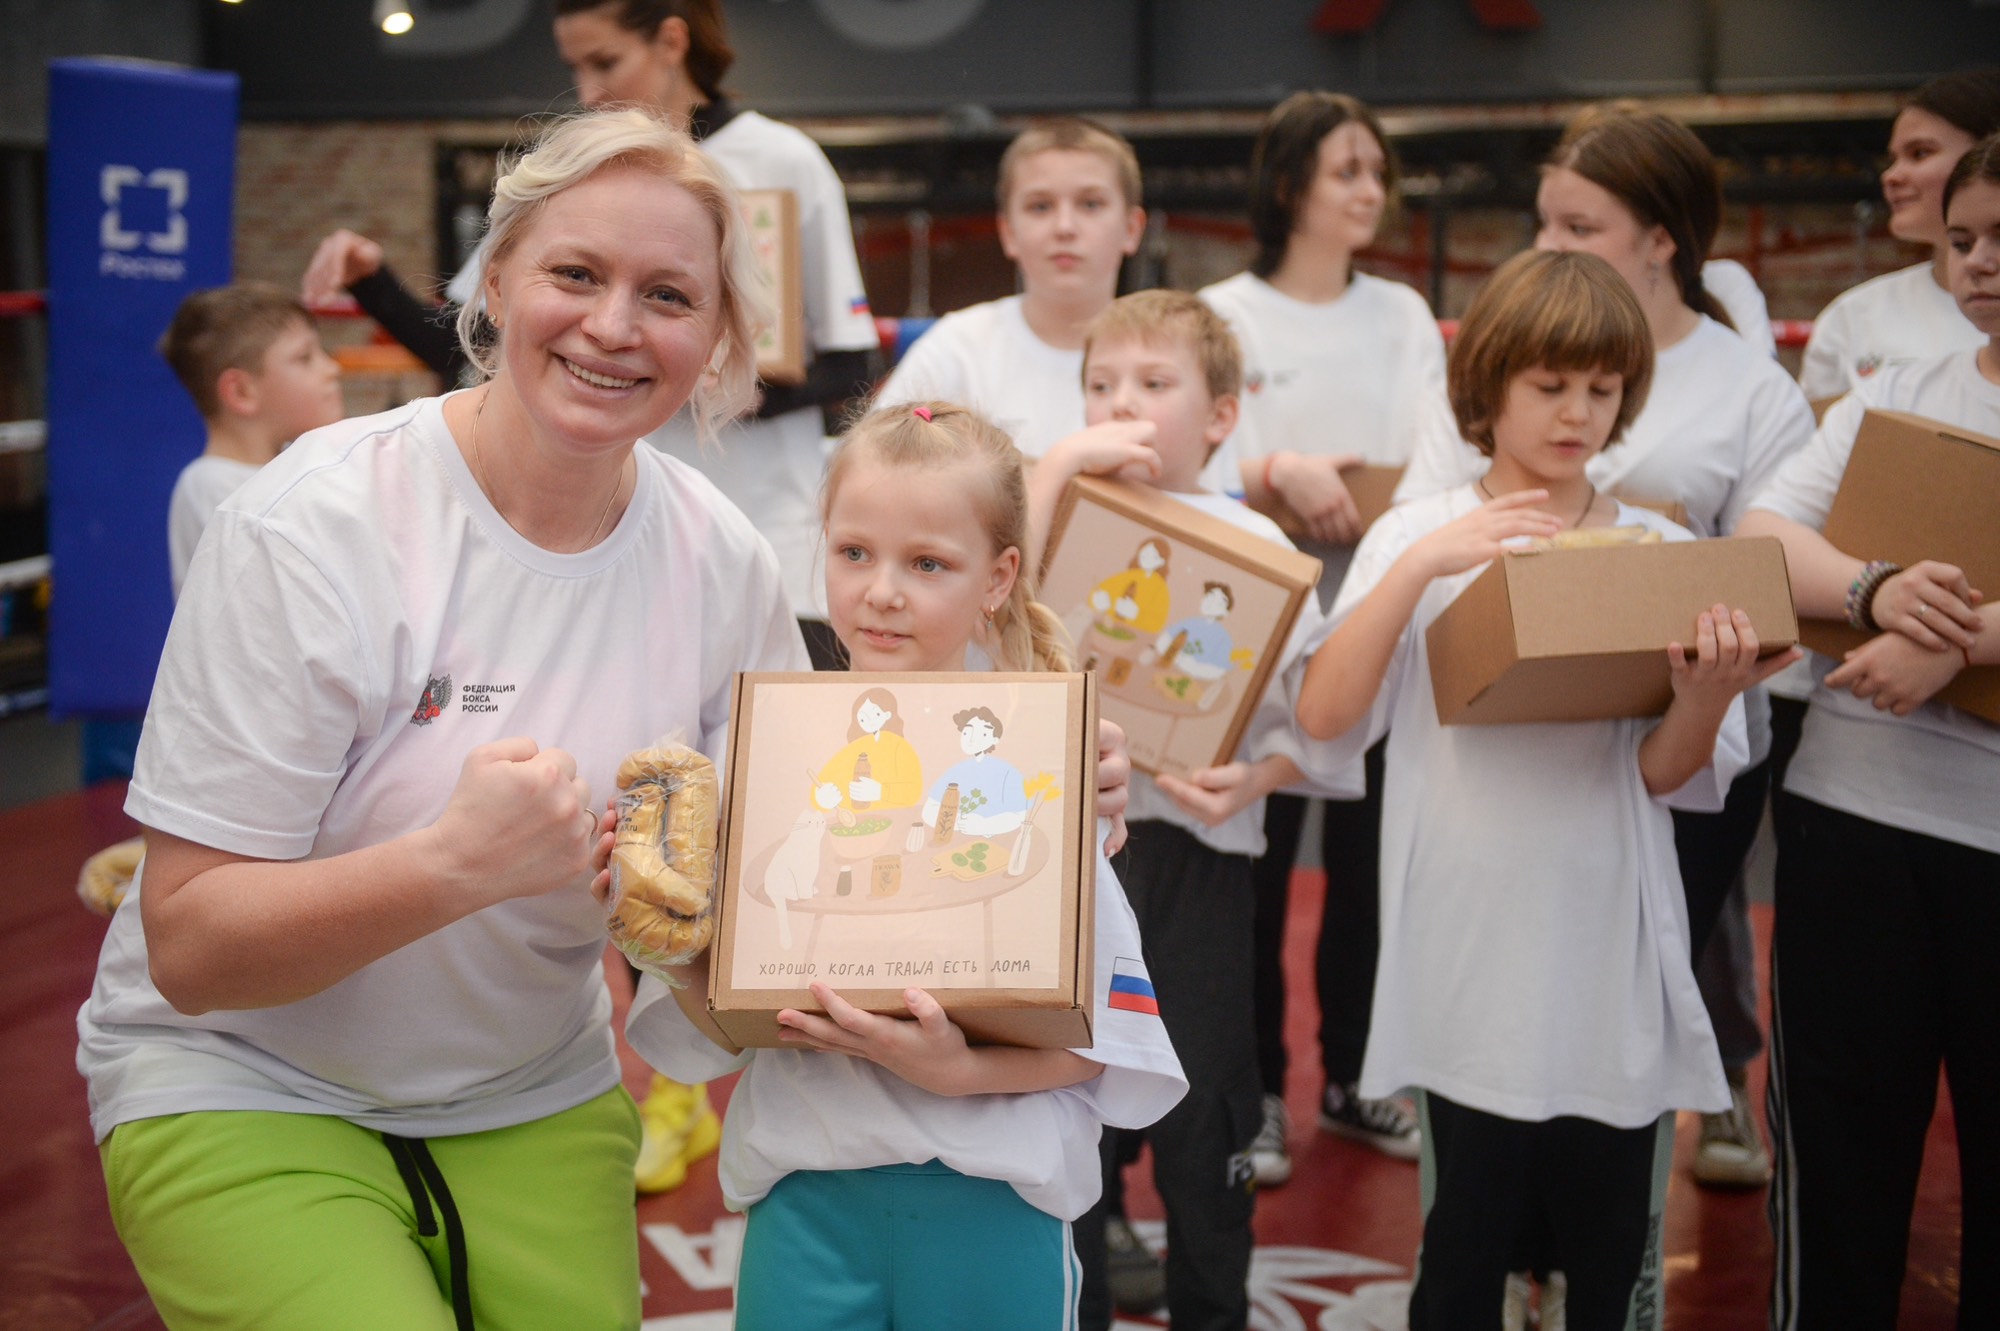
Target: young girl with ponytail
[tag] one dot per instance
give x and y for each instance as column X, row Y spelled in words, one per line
column 894, row 1175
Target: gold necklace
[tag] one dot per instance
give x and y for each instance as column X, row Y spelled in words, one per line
column 479, row 467
column 1588, row 504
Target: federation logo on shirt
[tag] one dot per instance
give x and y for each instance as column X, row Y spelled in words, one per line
column 437, row 697
column 1867, row 365
column 858, row 305
column 1131, row 991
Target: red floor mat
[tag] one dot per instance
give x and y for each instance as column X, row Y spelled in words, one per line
column 1335, row 1244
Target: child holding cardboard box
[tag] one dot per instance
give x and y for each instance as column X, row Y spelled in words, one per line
column 1642, row 192
column 1888, row 851
column 1534, row 981
column 1164, row 358
column 992, row 1149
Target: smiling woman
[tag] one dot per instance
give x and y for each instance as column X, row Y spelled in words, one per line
column 422, row 605
column 625, row 278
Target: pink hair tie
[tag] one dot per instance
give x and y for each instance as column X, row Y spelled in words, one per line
column 923, row 413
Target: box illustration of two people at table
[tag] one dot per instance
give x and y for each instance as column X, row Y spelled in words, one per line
column 887, row 831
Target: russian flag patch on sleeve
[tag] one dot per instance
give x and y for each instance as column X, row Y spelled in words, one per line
column 1131, row 991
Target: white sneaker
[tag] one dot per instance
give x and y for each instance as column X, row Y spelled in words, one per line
column 1514, row 1302
column 1732, row 1152
column 1270, row 1162
column 1555, row 1302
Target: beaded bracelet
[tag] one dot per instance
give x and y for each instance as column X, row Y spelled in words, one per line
column 1861, row 593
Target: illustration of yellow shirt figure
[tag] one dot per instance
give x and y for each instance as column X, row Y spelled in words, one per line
column 878, row 770
column 1136, row 600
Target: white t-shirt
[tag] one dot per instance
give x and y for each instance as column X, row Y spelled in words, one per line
column 1354, row 375
column 1889, row 320
column 1937, row 770
column 203, row 484
column 1719, row 421
column 1534, row 957
column 771, row 469
column 1731, row 284
column 800, row 1109
column 987, row 358
column 358, row 618
column 1272, row 728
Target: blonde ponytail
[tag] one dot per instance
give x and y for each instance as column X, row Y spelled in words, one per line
column 1026, row 634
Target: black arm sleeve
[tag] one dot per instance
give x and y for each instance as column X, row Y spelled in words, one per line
column 427, row 330
column 832, row 378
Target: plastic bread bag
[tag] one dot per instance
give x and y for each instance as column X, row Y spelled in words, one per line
column 661, row 907
column 107, row 875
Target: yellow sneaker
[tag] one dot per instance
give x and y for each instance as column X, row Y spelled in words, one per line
column 677, row 1128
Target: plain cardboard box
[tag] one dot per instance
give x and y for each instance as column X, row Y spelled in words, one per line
column 1916, row 489
column 869, row 952
column 773, row 219
column 1581, row 635
column 1372, row 487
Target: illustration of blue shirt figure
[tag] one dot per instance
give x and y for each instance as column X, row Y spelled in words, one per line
column 991, row 797
column 1205, row 648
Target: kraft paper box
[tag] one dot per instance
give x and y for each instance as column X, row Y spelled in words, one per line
column 1581, row 635
column 1372, row 487
column 884, row 831
column 773, row 219
column 1180, row 614
column 1916, row 489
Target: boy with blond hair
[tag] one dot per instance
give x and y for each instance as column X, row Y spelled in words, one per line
column 1165, row 360
column 250, row 357
column 1069, row 214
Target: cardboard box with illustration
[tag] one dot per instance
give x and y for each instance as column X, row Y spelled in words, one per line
column 884, row 831
column 1916, row 489
column 1581, row 634
column 1181, row 614
column 772, row 216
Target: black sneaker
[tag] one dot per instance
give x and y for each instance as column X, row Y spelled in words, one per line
column 1390, row 1126
column 1137, row 1279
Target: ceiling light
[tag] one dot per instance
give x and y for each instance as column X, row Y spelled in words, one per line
column 393, row 17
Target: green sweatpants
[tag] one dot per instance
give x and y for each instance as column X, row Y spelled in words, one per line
column 253, row 1220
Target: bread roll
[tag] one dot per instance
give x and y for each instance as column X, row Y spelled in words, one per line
column 663, row 858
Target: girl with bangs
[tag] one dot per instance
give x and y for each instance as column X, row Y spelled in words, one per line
column 1534, row 981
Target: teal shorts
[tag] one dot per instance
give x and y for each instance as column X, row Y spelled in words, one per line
column 250, row 1220
column 903, row 1248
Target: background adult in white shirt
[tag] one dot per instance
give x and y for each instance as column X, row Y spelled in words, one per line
column 669, row 57
column 1340, row 368
column 1908, row 314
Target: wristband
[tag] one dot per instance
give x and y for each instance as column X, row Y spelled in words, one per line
column 1861, row 593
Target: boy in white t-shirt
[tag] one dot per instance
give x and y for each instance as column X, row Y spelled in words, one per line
column 250, row 357
column 1166, row 360
column 1069, row 214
